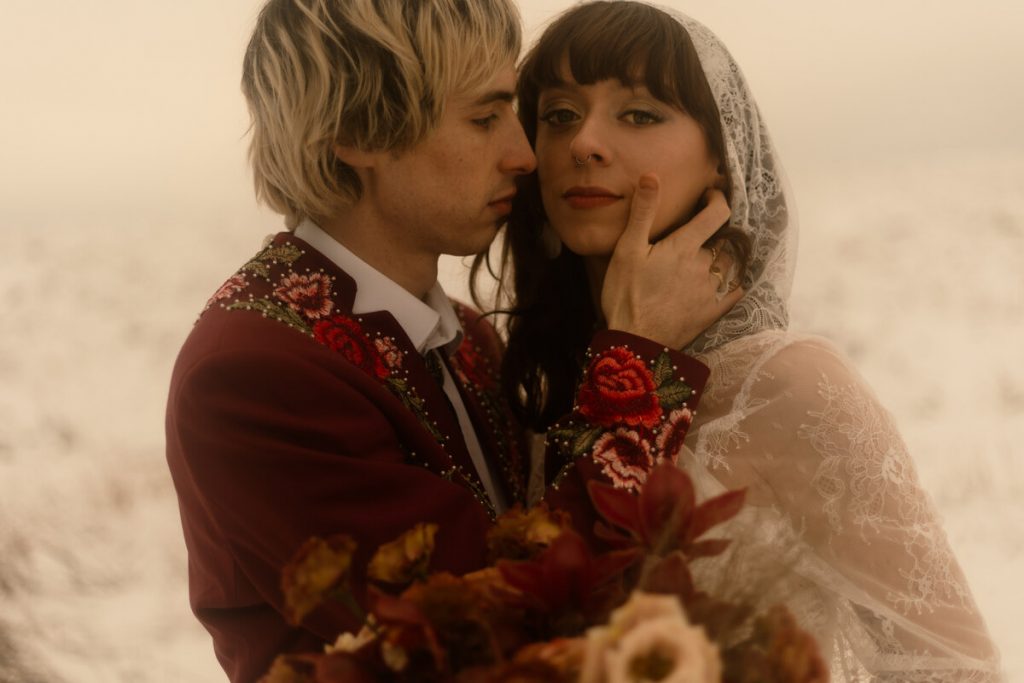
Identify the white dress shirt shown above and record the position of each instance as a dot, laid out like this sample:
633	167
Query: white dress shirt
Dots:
431	324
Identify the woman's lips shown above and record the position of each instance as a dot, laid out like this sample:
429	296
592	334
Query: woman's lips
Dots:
589	197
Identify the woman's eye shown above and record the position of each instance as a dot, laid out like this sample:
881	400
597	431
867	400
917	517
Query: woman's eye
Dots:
559	117
639	117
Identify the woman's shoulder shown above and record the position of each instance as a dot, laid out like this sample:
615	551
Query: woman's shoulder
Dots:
781	363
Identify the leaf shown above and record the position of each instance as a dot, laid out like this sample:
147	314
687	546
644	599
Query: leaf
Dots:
666	505
585	440
663	370
670	576
274	312
673	394
716	510
257	267
286	253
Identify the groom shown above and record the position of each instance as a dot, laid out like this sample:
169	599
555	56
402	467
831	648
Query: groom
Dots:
330	386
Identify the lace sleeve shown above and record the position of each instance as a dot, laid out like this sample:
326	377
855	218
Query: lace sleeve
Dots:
807	435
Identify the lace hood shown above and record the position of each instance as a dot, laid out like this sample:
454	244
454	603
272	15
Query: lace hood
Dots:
761	205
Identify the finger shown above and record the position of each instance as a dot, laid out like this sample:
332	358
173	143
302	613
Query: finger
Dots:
702	226
728	300
636	236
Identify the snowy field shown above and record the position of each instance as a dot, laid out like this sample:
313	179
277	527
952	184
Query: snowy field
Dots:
916	272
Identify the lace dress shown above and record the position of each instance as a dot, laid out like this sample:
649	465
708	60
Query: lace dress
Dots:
836	526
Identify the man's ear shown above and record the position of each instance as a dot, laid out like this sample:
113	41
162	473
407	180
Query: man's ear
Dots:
355	157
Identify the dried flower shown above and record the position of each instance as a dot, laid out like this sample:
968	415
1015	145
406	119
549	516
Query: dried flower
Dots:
779	651
567	577
319	569
522	534
406	558
650	639
347	642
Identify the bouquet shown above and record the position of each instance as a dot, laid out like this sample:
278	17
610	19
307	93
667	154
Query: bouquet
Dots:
550	607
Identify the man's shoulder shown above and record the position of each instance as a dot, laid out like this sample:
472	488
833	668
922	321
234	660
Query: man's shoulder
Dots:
284	297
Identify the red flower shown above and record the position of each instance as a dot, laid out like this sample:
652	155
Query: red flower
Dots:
626	458
306	294
619	388
665	516
567	576
389	352
235	284
344	335
471	367
673	431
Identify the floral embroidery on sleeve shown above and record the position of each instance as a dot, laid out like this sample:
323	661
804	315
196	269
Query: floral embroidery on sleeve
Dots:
630	415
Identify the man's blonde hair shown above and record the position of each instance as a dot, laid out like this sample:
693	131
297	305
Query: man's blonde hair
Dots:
372	74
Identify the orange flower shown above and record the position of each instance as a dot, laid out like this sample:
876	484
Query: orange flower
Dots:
782	650
405	558
319	568
522	534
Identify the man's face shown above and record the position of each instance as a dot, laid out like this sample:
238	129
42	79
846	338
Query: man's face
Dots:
451	192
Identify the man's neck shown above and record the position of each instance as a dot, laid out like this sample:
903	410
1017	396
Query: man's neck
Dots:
415	272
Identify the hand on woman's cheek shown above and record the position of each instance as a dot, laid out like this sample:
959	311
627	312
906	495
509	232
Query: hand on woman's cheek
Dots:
643	283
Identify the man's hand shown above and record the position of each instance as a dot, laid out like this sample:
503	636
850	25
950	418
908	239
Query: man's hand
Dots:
668	292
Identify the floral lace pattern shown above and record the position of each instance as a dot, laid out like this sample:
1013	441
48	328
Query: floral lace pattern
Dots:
856	546
867	479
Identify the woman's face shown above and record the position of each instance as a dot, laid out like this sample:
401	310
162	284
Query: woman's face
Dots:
593	144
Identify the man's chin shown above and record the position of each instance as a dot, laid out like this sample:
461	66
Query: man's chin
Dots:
479	244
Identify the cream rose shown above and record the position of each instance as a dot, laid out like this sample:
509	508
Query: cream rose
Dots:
650	639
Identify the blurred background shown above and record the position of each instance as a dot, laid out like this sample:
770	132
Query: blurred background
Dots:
125	200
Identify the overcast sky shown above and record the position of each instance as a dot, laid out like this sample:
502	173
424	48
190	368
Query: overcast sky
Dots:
133	105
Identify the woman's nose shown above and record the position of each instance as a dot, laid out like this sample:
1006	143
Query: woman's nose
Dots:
590	144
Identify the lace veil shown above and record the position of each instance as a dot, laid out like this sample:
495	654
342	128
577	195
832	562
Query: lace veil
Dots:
759	202
837	522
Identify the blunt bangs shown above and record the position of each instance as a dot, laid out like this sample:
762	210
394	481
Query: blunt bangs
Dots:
633	43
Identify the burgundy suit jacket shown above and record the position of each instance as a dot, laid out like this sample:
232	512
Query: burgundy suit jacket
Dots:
290	417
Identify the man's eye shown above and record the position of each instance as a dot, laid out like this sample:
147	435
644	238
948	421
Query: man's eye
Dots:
639	117
486	121
559	117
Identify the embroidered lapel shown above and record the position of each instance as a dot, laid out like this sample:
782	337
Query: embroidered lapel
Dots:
291	283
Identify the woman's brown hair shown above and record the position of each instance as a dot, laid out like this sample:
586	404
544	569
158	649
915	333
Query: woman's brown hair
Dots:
551	315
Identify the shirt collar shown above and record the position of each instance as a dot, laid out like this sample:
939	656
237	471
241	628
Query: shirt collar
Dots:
429	323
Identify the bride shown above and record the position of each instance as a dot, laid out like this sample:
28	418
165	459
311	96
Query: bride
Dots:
836	524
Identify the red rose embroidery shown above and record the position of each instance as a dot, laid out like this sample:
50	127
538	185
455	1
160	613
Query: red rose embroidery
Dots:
235	284
670	440
306	294
619	389
471	368
344	335
626	458
389	352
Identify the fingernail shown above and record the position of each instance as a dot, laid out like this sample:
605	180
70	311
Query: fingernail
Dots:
648	182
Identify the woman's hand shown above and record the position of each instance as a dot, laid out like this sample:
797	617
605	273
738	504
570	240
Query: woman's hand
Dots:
668	292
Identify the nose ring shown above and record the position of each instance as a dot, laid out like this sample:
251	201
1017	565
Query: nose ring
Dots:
580	164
